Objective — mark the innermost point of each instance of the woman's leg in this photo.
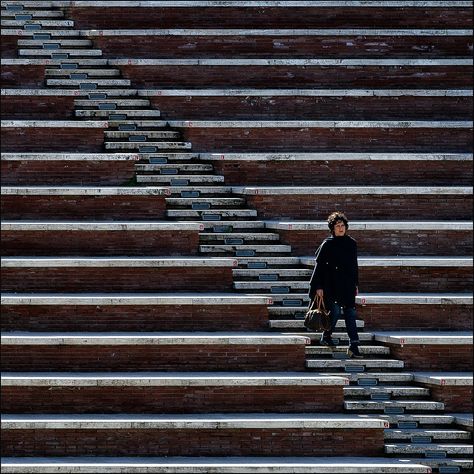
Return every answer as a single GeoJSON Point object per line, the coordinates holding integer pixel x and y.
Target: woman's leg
{"type": "Point", "coordinates": [350, 316]}
{"type": "Point", "coordinates": [326, 338]}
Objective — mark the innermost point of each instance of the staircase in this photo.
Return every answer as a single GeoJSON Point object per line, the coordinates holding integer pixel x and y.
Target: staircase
{"type": "Point", "coordinates": [421, 433]}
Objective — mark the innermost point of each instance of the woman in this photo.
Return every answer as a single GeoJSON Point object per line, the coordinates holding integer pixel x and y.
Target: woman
{"type": "Point", "coordinates": [336, 280]}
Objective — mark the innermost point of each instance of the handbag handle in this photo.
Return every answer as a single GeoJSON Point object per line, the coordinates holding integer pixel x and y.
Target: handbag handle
{"type": "Point", "coordinates": [319, 300]}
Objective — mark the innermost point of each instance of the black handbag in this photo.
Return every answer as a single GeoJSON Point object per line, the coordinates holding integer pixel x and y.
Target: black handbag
{"type": "Point", "coordinates": [319, 318]}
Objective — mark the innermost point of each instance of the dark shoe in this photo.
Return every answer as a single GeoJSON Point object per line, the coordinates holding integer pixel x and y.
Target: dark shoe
{"type": "Point", "coordinates": [353, 352]}
{"type": "Point", "coordinates": [327, 341]}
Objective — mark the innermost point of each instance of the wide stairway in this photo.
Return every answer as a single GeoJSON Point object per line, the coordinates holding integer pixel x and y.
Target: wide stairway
{"type": "Point", "coordinates": [167, 169]}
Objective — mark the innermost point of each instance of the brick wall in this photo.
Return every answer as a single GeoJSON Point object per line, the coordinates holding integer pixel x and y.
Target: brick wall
{"type": "Point", "coordinates": [37, 107]}
{"type": "Point", "coordinates": [84, 207]}
{"type": "Point", "coordinates": [89, 358]}
{"type": "Point", "coordinates": [67, 172]}
{"type": "Point", "coordinates": [352, 77]}
{"type": "Point", "coordinates": [101, 243]}
{"type": "Point", "coordinates": [457, 399]}
{"type": "Point", "coordinates": [190, 399]}
{"type": "Point", "coordinates": [189, 442]}
{"type": "Point", "coordinates": [22, 76]}
{"type": "Point", "coordinates": [416, 317]}
{"type": "Point", "coordinates": [344, 173]}
{"type": "Point", "coordinates": [113, 279]}
{"type": "Point", "coordinates": [388, 242]}
{"type": "Point", "coordinates": [401, 207]}
{"type": "Point", "coordinates": [9, 46]}
{"type": "Point", "coordinates": [456, 358]}
{"type": "Point", "coordinates": [231, 17]}
{"type": "Point", "coordinates": [135, 318]}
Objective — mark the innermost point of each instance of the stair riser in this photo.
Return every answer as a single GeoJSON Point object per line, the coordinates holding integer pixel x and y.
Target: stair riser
{"type": "Point", "coordinates": [132, 279]}
{"type": "Point", "coordinates": [134, 317]}
{"type": "Point", "coordinates": [168, 399]}
{"type": "Point", "coordinates": [455, 398]}
{"type": "Point", "coordinates": [126, 358]}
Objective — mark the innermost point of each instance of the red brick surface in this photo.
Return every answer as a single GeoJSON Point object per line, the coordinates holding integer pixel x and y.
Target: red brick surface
{"type": "Point", "coordinates": [22, 76]}
{"type": "Point", "coordinates": [44, 139]}
{"type": "Point", "coordinates": [456, 358]}
{"type": "Point", "coordinates": [100, 243]}
{"type": "Point", "coordinates": [207, 399]}
{"type": "Point", "coordinates": [113, 279]}
{"type": "Point", "coordinates": [401, 207]}
{"type": "Point", "coordinates": [135, 318]}
{"type": "Point", "coordinates": [425, 317]}
{"type": "Point", "coordinates": [192, 357]}
{"type": "Point", "coordinates": [344, 173]}
{"type": "Point", "coordinates": [303, 17]}
{"type": "Point", "coordinates": [317, 77]}
{"type": "Point", "coordinates": [59, 173]}
{"type": "Point", "coordinates": [37, 107]}
{"type": "Point", "coordinates": [294, 46]}
{"type": "Point", "coordinates": [193, 442]}
{"type": "Point", "coordinates": [388, 242]}
{"type": "Point", "coordinates": [84, 207]}
{"type": "Point", "coordinates": [456, 399]}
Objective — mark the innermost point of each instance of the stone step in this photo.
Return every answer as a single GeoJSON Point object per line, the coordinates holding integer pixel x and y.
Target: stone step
{"type": "Point", "coordinates": [289, 324]}
{"type": "Point", "coordinates": [282, 273]}
{"type": "Point", "coordinates": [411, 405]}
{"type": "Point", "coordinates": [379, 377]}
{"type": "Point", "coordinates": [7, 13]}
{"type": "Point", "coordinates": [324, 364]}
{"type": "Point", "coordinates": [147, 147]}
{"type": "Point", "coordinates": [142, 133]}
{"type": "Point", "coordinates": [246, 237]}
{"type": "Point", "coordinates": [223, 213]}
{"type": "Point", "coordinates": [69, 74]}
{"type": "Point", "coordinates": [217, 465]}
{"type": "Point", "coordinates": [71, 53]}
{"type": "Point", "coordinates": [267, 285]}
{"type": "Point", "coordinates": [217, 228]}
{"type": "Point", "coordinates": [393, 391]}
{"type": "Point", "coordinates": [118, 102]}
{"type": "Point", "coordinates": [434, 434]}
{"type": "Point", "coordinates": [57, 41]}
{"type": "Point", "coordinates": [406, 338]}
{"type": "Point", "coordinates": [203, 190]}
{"type": "Point", "coordinates": [428, 419]}
{"type": "Point", "coordinates": [41, 22]}
{"type": "Point", "coordinates": [180, 168]}
{"type": "Point", "coordinates": [98, 82]}
{"type": "Point", "coordinates": [241, 249]}
{"type": "Point", "coordinates": [328, 351]}
{"type": "Point", "coordinates": [448, 449]}
{"type": "Point", "coordinates": [223, 202]}
{"type": "Point", "coordinates": [126, 112]}
{"type": "Point", "coordinates": [176, 180]}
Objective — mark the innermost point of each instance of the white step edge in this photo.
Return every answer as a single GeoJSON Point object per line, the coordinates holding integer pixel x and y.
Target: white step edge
{"type": "Point", "coordinates": [388, 261]}
{"type": "Point", "coordinates": [424, 337]}
{"type": "Point", "coordinates": [83, 191]}
{"type": "Point", "coordinates": [463, 419]}
{"type": "Point", "coordinates": [174, 379]}
{"type": "Point", "coordinates": [100, 226]}
{"type": "Point", "coordinates": [415, 298]}
{"type": "Point", "coordinates": [444, 378]}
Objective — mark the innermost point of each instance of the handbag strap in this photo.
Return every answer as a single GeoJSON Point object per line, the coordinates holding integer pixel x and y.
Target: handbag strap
{"type": "Point", "coordinates": [321, 303]}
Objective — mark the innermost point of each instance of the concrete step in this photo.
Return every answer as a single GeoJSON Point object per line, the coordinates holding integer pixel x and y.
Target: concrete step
{"type": "Point", "coordinates": [393, 391]}
{"type": "Point", "coordinates": [281, 273]}
{"type": "Point", "coordinates": [39, 21]}
{"type": "Point", "coordinates": [216, 465]}
{"type": "Point", "coordinates": [98, 82]}
{"type": "Point", "coordinates": [222, 202]}
{"type": "Point", "coordinates": [291, 324]}
{"type": "Point", "coordinates": [118, 102]}
{"type": "Point", "coordinates": [127, 135]}
{"type": "Point", "coordinates": [411, 405]}
{"type": "Point", "coordinates": [254, 249]}
{"type": "Point", "coordinates": [324, 364]}
{"type": "Point", "coordinates": [147, 147]}
{"type": "Point", "coordinates": [203, 190]}
{"type": "Point", "coordinates": [247, 237]}
{"type": "Point", "coordinates": [434, 434]}
{"type": "Point", "coordinates": [72, 53]}
{"type": "Point", "coordinates": [126, 112]}
{"type": "Point", "coordinates": [223, 213]}
{"type": "Point", "coordinates": [181, 168]}
{"type": "Point", "coordinates": [448, 449]}
{"type": "Point", "coordinates": [376, 378]}
{"type": "Point", "coordinates": [268, 285]}
{"type": "Point", "coordinates": [190, 178]}
{"type": "Point", "coordinates": [20, 11]}
{"type": "Point", "coordinates": [70, 74]}
{"type": "Point", "coordinates": [61, 43]}
{"type": "Point", "coordinates": [328, 351]}
{"type": "Point", "coordinates": [228, 229]}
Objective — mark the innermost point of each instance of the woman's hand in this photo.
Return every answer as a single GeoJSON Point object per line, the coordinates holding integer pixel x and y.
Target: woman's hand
{"type": "Point", "coordinates": [320, 293]}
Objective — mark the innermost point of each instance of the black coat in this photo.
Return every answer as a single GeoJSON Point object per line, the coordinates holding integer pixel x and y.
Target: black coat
{"type": "Point", "coordinates": [336, 271]}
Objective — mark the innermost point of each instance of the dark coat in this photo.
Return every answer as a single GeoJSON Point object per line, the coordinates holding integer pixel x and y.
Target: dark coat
{"type": "Point", "coordinates": [336, 271]}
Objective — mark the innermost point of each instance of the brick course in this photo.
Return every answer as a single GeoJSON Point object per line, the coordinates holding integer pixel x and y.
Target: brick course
{"type": "Point", "coordinates": [116, 279]}
{"type": "Point", "coordinates": [100, 243]}
{"type": "Point", "coordinates": [135, 318]}
{"type": "Point", "coordinates": [37, 107]}
{"type": "Point", "coordinates": [201, 399]}
{"type": "Point", "coordinates": [189, 442]}
{"type": "Point", "coordinates": [22, 76]}
{"type": "Point", "coordinates": [146, 207]}
{"type": "Point", "coordinates": [126, 358]}
{"type": "Point", "coordinates": [457, 399]}
{"type": "Point", "coordinates": [435, 357]}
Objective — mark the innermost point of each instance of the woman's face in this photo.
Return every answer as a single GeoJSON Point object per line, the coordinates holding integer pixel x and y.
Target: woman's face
{"type": "Point", "coordinates": [339, 229]}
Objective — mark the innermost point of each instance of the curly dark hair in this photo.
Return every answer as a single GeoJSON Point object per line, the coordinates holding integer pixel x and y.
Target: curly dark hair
{"type": "Point", "coordinates": [336, 217]}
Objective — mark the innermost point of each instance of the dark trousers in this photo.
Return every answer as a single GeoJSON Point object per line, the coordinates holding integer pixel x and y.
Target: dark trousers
{"type": "Point", "coordinates": [350, 316]}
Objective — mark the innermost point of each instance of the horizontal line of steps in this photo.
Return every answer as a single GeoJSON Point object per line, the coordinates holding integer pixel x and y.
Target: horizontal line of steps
{"type": "Point", "coordinates": [98, 82]}
{"type": "Point", "coordinates": [39, 21]}
{"type": "Point", "coordinates": [211, 465]}
{"type": "Point", "coordinates": [328, 351]}
{"type": "Point", "coordinates": [229, 227]}
{"type": "Point", "coordinates": [52, 44]}
{"type": "Point", "coordinates": [419, 448]}
{"type": "Point", "coordinates": [412, 405]}
{"type": "Point", "coordinates": [392, 391]}
{"type": "Point", "coordinates": [245, 248]}
{"type": "Point", "coordinates": [126, 112]}
{"type": "Point", "coordinates": [434, 434]}
{"type": "Point", "coordinates": [290, 324]}
{"type": "Point", "coordinates": [178, 167]}
{"type": "Point", "coordinates": [72, 73]}
{"type": "Point", "coordinates": [7, 13]}
{"type": "Point", "coordinates": [201, 202]}
{"type": "Point", "coordinates": [223, 213]}
{"type": "Point", "coordinates": [267, 286]}
{"type": "Point", "coordinates": [283, 273]}
{"type": "Point", "coordinates": [143, 134]}
{"type": "Point", "coordinates": [72, 53]}
{"type": "Point", "coordinates": [150, 147]}
{"type": "Point", "coordinates": [375, 378]}
{"type": "Point", "coordinates": [118, 102]}
{"type": "Point", "coordinates": [246, 237]}
{"type": "Point", "coordinates": [203, 189]}
{"type": "Point", "coordinates": [365, 364]}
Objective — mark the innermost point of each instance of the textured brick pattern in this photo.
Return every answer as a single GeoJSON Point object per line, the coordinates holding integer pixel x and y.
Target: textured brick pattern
{"type": "Point", "coordinates": [134, 318]}
{"type": "Point", "coordinates": [149, 208]}
{"type": "Point", "coordinates": [396, 207]}
{"type": "Point", "coordinates": [388, 242]}
{"type": "Point", "coordinates": [416, 317]}
{"type": "Point", "coordinates": [208, 399]}
{"type": "Point", "coordinates": [122, 279]}
{"type": "Point", "coordinates": [188, 442]}
{"type": "Point", "coordinates": [22, 76]}
{"type": "Point", "coordinates": [100, 243]}
{"type": "Point", "coordinates": [88, 358]}
{"type": "Point", "coordinates": [37, 107]}
{"type": "Point", "coordinates": [455, 398]}
{"type": "Point", "coordinates": [456, 358]}
{"type": "Point", "coordinates": [62, 173]}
